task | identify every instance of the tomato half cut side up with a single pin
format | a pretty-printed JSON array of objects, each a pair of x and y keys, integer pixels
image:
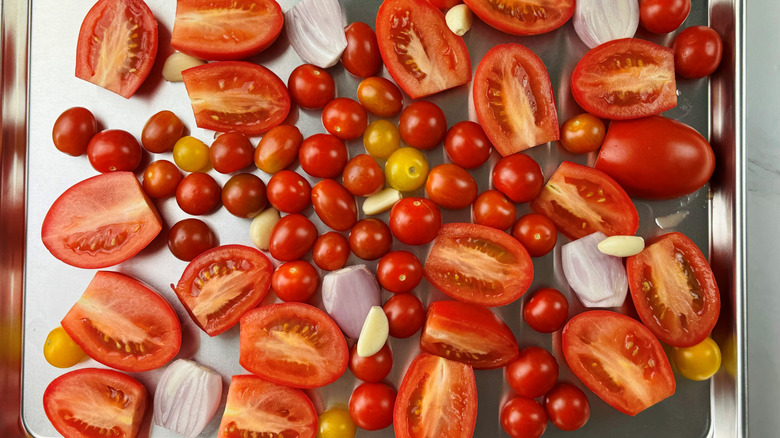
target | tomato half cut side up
[
  {"x": 674, "y": 290},
  {"x": 625, "y": 79},
  {"x": 117, "y": 45},
  {"x": 222, "y": 284},
  {"x": 581, "y": 200},
  {"x": 618, "y": 359},
  {"x": 478, "y": 264},
  {"x": 121, "y": 323},
  {"x": 523, "y": 17},
  {"x": 418, "y": 49},
  {"x": 514, "y": 99},
  {"x": 437, "y": 398},
  {"x": 92, "y": 402},
  {"x": 293, "y": 344}
]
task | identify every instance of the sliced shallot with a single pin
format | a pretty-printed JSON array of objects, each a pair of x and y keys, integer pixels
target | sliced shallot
[
  {"x": 598, "y": 279},
  {"x": 599, "y": 21},
  {"x": 348, "y": 294},
  {"x": 187, "y": 397},
  {"x": 316, "y": 31}
]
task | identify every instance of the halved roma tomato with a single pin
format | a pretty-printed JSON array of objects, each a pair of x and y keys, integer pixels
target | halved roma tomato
[
  {"x": 523, "y": 17},
  {"x": 418, "y": 49},
  {"x": 92, "y": 402},
  {"x": 223, "y": 283},
  {"x": 101, "y": 221},
  {"x": 117, "y": 45},
  {"x": 236, "y": 96},
  {"x": 120, "y": 322},
  {"x": 581, "y": 200},
  {"x": 619, "y": 359},
  {"x": 225, "y": 30},
  {"x": 293, "y": 344},
  {"x": 674, "y": 290},
  {"x": 625, "y": 79},
  {"x": 469, "y": 334},
  {"x": 479, "y": 264},
  {"x": 437, "y": 398},
  {"x": 255, "y": 407}
]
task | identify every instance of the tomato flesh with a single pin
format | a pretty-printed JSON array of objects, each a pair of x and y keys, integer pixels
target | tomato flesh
[{"x": 523, "y": 17}]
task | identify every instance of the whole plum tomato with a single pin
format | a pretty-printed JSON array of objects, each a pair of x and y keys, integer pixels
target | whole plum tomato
[
  {"x": 292, "y": 237},
  {"x": 518, "y": 177},
  {"x": 278, "y": 148},
  {"x": 198, "y": 193},
  {"x": 288, "y": 191},
  {"x": 415, "y": 221},
  {"x": 344, "y": 118},
  {"x": 537, "y": 234},
  {"x": 370, "y": 239},
  {"x": 323, "y": 156},
  {"x": 190, "y": 237},
  {"x": 467, "y": 145},
  {"x": 244, "y": 195},
  {"x": 372, "y": 368},
  {"x": 380, "y": 97},
  {"x": 546, "y": 311},
  {"x": 451, "y": 186},
  {"x": 311, "y": 87},
  {"x": 533, "y": 373},
  {"x": 331, "y": 251},
  {"x": 371, "y": 406},
  {"x": 567, "y": 407},
  {"x": 381, "y": 138},
  {"x": 362, "y": 176},
  {"x": 73, "y": 130},
  {"x": 114, "y": 150},
  {"x": 405, "y": 315},
  {"x": 697, "y": 52},
  {"x": 231, "y": 152},
  {"x": 399, "y": 271},
  {"x": 361, "y": 57},
  {"x": 161, "y": 132},
  {"x": 161, "y": 178},
  {"x": 334, "y": 205},
  {"x": 422, "y": 125},
  {"x": 493, "y": 209},
  {"x": 523, "y": 418},
  {"x": 295, "y": 281},
  {"x": 663, "y": 16}
]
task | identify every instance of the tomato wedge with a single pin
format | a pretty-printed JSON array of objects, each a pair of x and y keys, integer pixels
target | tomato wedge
[
  {"x": 259, "y": 408},
  {"x": 236, "y": 96},
  {"x": 92, "y": 402},
  {"x": 223, "y": 283},
  {"x": 293, "y": 344},
  {"x": 117, "y": 45},
  {"x": 225, "y": 30},
  {"x": 581, "y": 200},
  {"x": 514, "y": 99},
  {"x": 418, "y": 49},
  {"x": 437, "y": 398},
  {"x": 120, "y": 322},
  {"x": 625, "y": 79},
  {"x": 674, "y": 290},
  {"x": 523, "y": 17},
  {"x": 478, "y": 264},
  {"x": 619, "y": 359}
]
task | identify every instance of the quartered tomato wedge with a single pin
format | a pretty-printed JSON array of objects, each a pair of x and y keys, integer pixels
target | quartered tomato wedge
[
  {"x": 625, "y": 79},
  {"x": 121, "y": 323},
  {"x": 514, "y": 99},
  {"x": 418, "y": 49},
  {"x": 674, "y": 290},
  {"x": 222, "y": 284},
  {"x": 117, "y": 45},
  {"x": 92, "y": 402},
  {"x": 581, "y": 200},
  {"x": 619, "y": 359},
  {"x": 523, "y": 17}
]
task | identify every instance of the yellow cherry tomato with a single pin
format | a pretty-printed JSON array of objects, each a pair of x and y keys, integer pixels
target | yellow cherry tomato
[
  {"x": 406, "y": 169},
  {"x": 336, "y": 423},
  {"x": 381, "y": 138},
  {"x": 699, "y": 362},
  {"x": 60, "y": 350},
  {"x": 190, "y": 154},
  {"x": 582, "y": 133}
]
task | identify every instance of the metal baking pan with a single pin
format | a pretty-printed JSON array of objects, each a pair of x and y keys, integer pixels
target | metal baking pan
[{"x": 38, "y": 52}]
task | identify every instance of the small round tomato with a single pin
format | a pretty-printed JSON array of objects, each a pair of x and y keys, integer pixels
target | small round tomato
[
  {"x": 582, "y": 134},
  {"x": 406, "y": 169},
  {"x": 311, "y": 87},
  {"x": 73, "y": 130},
  {"x": 190, "y": 237},
  {"x": 697, "y": 52},
  {"x": 114, "y": 150},
  {"x": 371, "y": 406},
  {"x": 372, "y": 368},
  {"x": 493, "y": 209},
  {"x": 362, "y": 176},
  {"x": 451, "y": 186},
  {"x": 231, "y": 152},
  {"x": 699, "y": 362},
  {"x": 663, "y": 16},
  {"x": 405, "y": 315},
  {"x": 537, "y": 234},
  {"x": 467, "y": 145},
  {"x": 197, "y": 193},
  {"x": 334, "y": 205},
  {"x": 422, "y": 125},
  {"x": 523, "y": 418},
  {"x": 161, "y": 132},
  {"x": 380, "y": 97},
  {"x": 161, "y": 179},
  {"x": 331, "y": 251},
  {"x": 292, "y": 237},
  {"x": 370, "y": 239},
  {"x": 546, "y": 311},
  {"x": 278, "y": 148},
  {"x": 533, "y": 373},
  {"x": 361, "y": 57},
  {"x": 336, "y": 423},
  {"x": 288, "y": 192},
  {"x": 381, "y": 139},
  {"x": 399, "y": 271},
  {"x": 191, "y": 154},
  {"x": 323, "y": 156},
  {"x": 244, "y": 195},
  {"x": 61, "y": 352},
  {"x": 344, "y": 118},
  {"x": 295, "y": 281},
  {"x": 518, "y": 177},
  {"x": 415, "y": 221},
  {"x": 567, "y": 407}
]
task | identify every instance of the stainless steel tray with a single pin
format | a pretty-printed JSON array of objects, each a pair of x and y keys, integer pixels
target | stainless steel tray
[{"x": 38, "y": 52}]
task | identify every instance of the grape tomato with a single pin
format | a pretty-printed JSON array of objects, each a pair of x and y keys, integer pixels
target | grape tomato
[{"x": 73, "y": 130}]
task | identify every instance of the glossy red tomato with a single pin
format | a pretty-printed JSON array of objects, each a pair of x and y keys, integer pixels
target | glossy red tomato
[
  {"x": 493, "y": 209},
  {"x": 323, "y": 156},
  {"x": 422, "y": 125},
  {"x": 697, "y": 52},
  {"x": 295, "y": 281},
  {"x": 537, "y": 234},
  {"x": 231, "y": 152},
  {"x": 533, "y": 373},
  {"x": 519, "y": 177},
  {"x": 161, "y": 132},
  {"x": 663, "y": 16},
  {"x": 114, "y": 150},
  {"x": 361, "y": 57},
  {"x": 567, "y": 407},
  {"x": 546, "y": 311},
  {"x": 523, "y": 418},
  {"x": 370, "y": 239},
  {"x": 399, "y": 271},
  {"x": 311, "y": 87},
  {"x": 372, "y": 368},
  {"x": 380, "y": 96},
  {"x": 467, "y": 145},
  {"x": 415, "y": 221},
  {"x": 445, "y": 4},
  {"x": 519, "y": 17},
  {"x": 198, "y": 193},
  {"x": 362, "y": 176},
  {"x": 405, "y": 315},
  {"x": 244, "y": 195},
  {"x": 292, "y": 237},
  {"x": 73, "y": 130},
  {"x": 371, "y": 406},
  {"x": 331, "y": 251},
  {"x": 189, "y": 238},
  {"x": 161, "y": 178},
  {"x": 289, "y": 192},
  {"x": 334, "y": 205},
  {"x": 345, "y": 118},
  {"x": 278, "y": 148},
  {"x": 451, "y": 186}
]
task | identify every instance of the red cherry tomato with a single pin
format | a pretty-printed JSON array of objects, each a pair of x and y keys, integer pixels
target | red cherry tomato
[
  {"x": 73, "y": 130},
  {"x": 311, "y": 87},
  {"x": 523, "y": 418},
  {"x": 422, "y": 125},
  {"x": 189, "y": 238},
  {"x": 546, "y": 311},
  {"x": 278, "y": 148},
  {"x": 161, "y": 132},
  {"x": 415, "y": 221},
  {"x": 362, "y": 176},
  {"x": 372, "y": 368},
  {"x": 161, "y": 178},
  {"x": 405, "y": 315},
  {"x": 467, "y": 145},
  {"x": 537, "y": 234},
  {"x": 582, "y": 134},
  {"x": 292, "y": 237},
  {"x": 519, "y": 177},
  {"x": 451, "y": 186},
  {"x": 331, "y": 251},
  {"x": 114, "y": 150},
  {"x": 663, "y": 16},
  {"x": 295, "y": 281},
  {"x": 323, "y": 156},
  {"x": 244, "y": 195},
  {"x": 370, "y": 239},
  {"x": 399, "y": 271},
  {"x": 567, "y": 407},
  {"x": 334, "y": 205},
  {"x": 533, "y": 373},
  {"x": 380, "y": 97},
  {"x": 493, "y": 209},
  {"x": 289, "y": 192},
  {"x": 231, "y": 152},
  {"x": 197, "y": 193},
  {"x": 345, "y": 118},
  {"x": 371, "y": 406},
  {"x": 697, "y": 52},
  {"x": 361, "y": 57}
]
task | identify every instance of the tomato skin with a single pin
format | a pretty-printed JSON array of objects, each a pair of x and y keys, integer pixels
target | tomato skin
[
  {"x": 73, "y": 130},
  {"x": 567, "y": 407},
  {"x": 311, "y": 87},
  {"x": 422, "y": 125},
  {"x": 161, "y": 132},
  {"x": 330, "y": 251},
  {"x": 537, "y": 234},
  {"x": 334, "y": 205},
  {"x": 371, "y": 406},
  {"x": 697, "y": 52},
  {"x": 289, "y": 192},
  {"x": 244, "y": 195},
  {"x": 231, "y": 152},
  {"x": 372, "y": 368},
  {"x": 445, "y": 4},
  {"x": 493, "y": 209},
  {"x": 415, "y": 221},
  {"x": 405, "y": 314},
  {"x": 582, "y": 134},
  {"x": 361, "y": 57},
  {"x": 663, "y": 16},
  {"x": 546, "y": 311},
  {"x": 513, "y": 18},
  {"x": 295, "y": 281},
  {"x": 336, "y": 423},
  {"x": 370, "y": 239},
  {"x": 278, "y": 148},
  {"x": 161, "y": 178},
  {"x": 533, "y": 373},
  {"x": 189, "y": 238},
  {"x": 114, "y": 150},
  {"x": 191, "y": 154},
  {"x": 467, "y": 145},
  {"x": 381, "y": 138},
  {"x": 399, "y": 271},
  {"x": 362, "y": 176},
  {"x": 323, "y": 156},
  {"x": 518, "y": 177},
  {"x": 292, "y": 237},
  {"x": 451, "y": 186},
  {"x": 344, "y": 118},
  {"x": 380, "y": 96},
  {"x": 198, "y": 193},
  {"x": 60, "y": 350},
  {"x": 523, "y": 418},
  {"x": 406, "y": 169},
  {"x": 698, "y": 362}
]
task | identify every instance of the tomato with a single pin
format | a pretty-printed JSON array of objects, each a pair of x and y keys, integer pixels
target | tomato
[
  {"x": 213, "y": 88},
  {"x": 399, "y": 271},
  {"x": 311, "y": 87},
  {"x": 582, "y": 134},
  {"x": 191, "y": 154},
  {"x": 451, "y": 186},
  {"x": 493, "y": 209},
  {"x": 278, "y": 148},
  {"x": 618, "y": 359},
  {"x": 334, "y": 205},
  {"x": 421, "y": 54},
  {"x": 514, "y": 99},
  {"x": 518, "y": 177},
  {"x": 331, "y": 251},
  {"x": 255, "y": 407},
  {"x": 293, "y": 344},
  {"x": 380, "y": 97},
  {"x": 581, "y": 200},
  {"x": 537, "y": 234},
  {"x": 422, "y": 125},
  {"x": 244, "y": 195},
  {"x": 121, "y": 323},
  {"x": 406, "y": 169},
  {"x": 372, "y": 368},
  {"x": 663, "y": 16},
  {"x": 189, "y": 238},
  {"x": 323, "y": 156},
  {"x": 100, "y": 222},
  {"x": 361, "y": 57},
  {"x": 467, "y": 145},
  {"x": 415, "y": 221},
  {"x": 161, "y": 132},
  {"x": 523, "y": 418},
  {"x": 370, "y": 239},
  {"x": 567, "y": 407},
  {"x": 438, "y": 397},
  {"x": 362, "y": 176},
  {"x": 289, "y": 192},
  {"x": 198, "y": 193},
  {"x": 295, "y": 281},
  {"x": 292, "y": 237},
  {"x": 118, "y": 64},
  {"x": 161, "y": 178},
  {"x": 546, "y": 311},
  {"x": 697, "y": 52},
  {"x": 625, "y": 79},
  {"x": 405, "y": 315},
  {"x": 371, "y": 406},
  {"x": 533, "y": 373},
  {"x": 381, "y": 139},
  {"x": 92, "y": 402},
  {"x": 445, "y": 4},
  {"x": 523, "y": 17},
  {"x": 114, "y": 150},
  {"x": 697, "y": 362},
  {"x": 231, "y": 152},
  {"x": 479, "y": 265},
  {"x": 336, "y": 423},
  {"x": 73, "y": 130},
  {"x": 60, "y": 350},
  {"x": 344, "y": 118}
]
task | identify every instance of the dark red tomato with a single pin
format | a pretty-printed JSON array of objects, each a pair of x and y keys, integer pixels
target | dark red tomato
[
  {"x": 451, "y": 186},
  {"x": 101, "y": 221},
  {"x": 73, "y": 130},
  {"x": 371, "y": 406},
  {"x": 521, "y": 17},
  {"x": 438, "y": 397},
  {"x": 523, "y": 418},
  {"x": 380, "y": 97},
  {"x": 278, "y": 148},
  {"x": 493, "y": 209},
  {"x": 344, "y": 118},
  {"x": 231, "y": 152},
  {"x": 293, "y": 344},
  {"x": 99, "y": 322},
  {"x": 625, "y": 79},
  {"x": 213, "y": 88},
  {"x": 161, "y": 178},
  {"x": 331, "y": 251},
  {"x": 405, "y": 315},
  {"x": 422, "y": 55},
  {"x": 292, "y": 237},
  {"x": 479, "y": 265},
  {"x": 415, "y": 221},
  {"x": 361, "y": 57},
  {"x": 334, "y": 205},
  {"x": 581, "y": 200},
  {"x": 323, "y": 156},
  {"x": 546, "y": 311},
  {"x": 289, "y": 192},
  {"x": 362, "y": 176},
  {"x": 674, "y": 290},
  {"x": 114, "y": 150},
  {"x": 537, "y": 234},
  {"x": 468, "y": 333},
  {"x": 445, "y": 4},
  {"x": 372, "y": 368},
  {"x": 161, "y": 132},
  {"x": 198, "y": 193},
  {"x": 656, "y": 157},
  {"x": 467, "y": 145},
  {"x": 618, "y": 359},
  {"x": 663, "y": 16},
  {"x": 399, "y": 271},
  {"x": 697, "y": 52},
  {"x": 519, "y": 177},
  {"x": 311, "y": 87},
  {"x": 244, "y": 195},
  {"x": 370, "y": 239},
  {"x": 422, "y": 125},
  {"x": 189, "y": 238},
  {"x": 117, "y": 64},
  {"x": 567, "y": 407},
  {"x": 223, "y": 283},
  {"x": 295, "y": 281},
  {"x": 533, "y": 373},
  {"x": 92, "y": 402}
]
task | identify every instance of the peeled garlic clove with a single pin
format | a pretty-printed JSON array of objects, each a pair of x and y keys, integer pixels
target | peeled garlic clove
[
  {"x": 178, "y": 62},
  {"x": 381, "y": 202},
  {"x": 459, "y": 19},
  {"x": 374, "y": 334},
  {"x": 622, "y": 246},
  {"x": 261, "y": 227}
]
